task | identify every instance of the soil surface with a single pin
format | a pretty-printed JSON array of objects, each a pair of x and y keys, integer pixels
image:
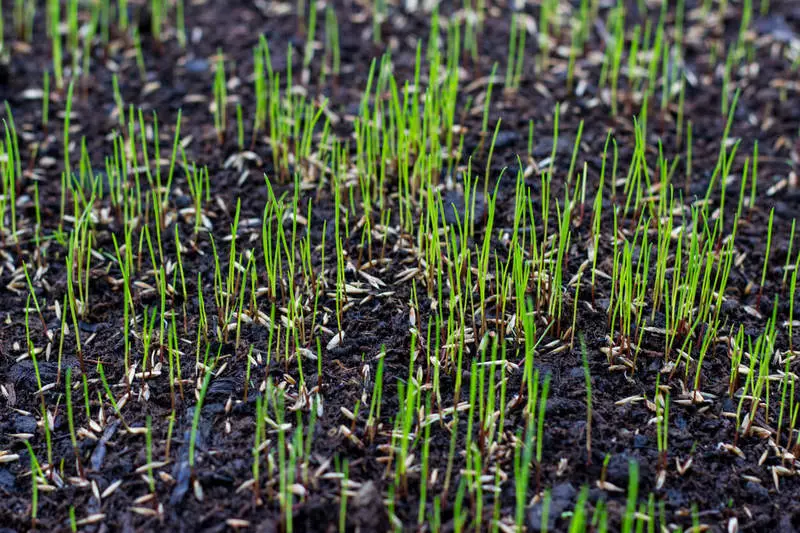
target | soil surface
[{"x": 714, "y": 476}]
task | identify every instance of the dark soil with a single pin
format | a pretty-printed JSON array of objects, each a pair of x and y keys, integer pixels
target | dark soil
[{"x": 718, "y": 485}]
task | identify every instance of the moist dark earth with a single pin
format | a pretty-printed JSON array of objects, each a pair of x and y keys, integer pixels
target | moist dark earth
[{"x": 717, "y": 486}]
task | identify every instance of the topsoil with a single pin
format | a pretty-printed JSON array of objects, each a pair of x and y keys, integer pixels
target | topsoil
[{"x": 718, "y": 485}]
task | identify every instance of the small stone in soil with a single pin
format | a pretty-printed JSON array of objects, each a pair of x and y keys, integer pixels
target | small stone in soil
[
  {"x": 182, "y": 475},
  {"x": 181, "y": 471},
  {"x": 8, "y": 482},
  {"x": 596, "y": 494},
  {"x": 617, "y": 469},
  {"x": 577, "y": 373},
  {"x": 728, "y": 405},
  {"x": 368, "y": 507},
  {"x": 215, "y": 478},
  {"x": 99, "y": 453},
  {"x": 183, "y": 201},
  {"x": 225, "y": 386},
  {"x": 676, "y": 498},
  {"x": 545, "y": 146},
  {"x": 776, "y": 27},
  {"x": 197, "y": 65},
  {"x": 506, "y": 138},
  {"x": 730, "y": 305},
  {"x": 560, "y": 500},
  {"x": 25, "y": 424},
  {"x": 89, "y": 328},
  {"x": 24, "y": 376},
  {"x": 758, "y": 492},
  {"x": 454, "y": 204}
]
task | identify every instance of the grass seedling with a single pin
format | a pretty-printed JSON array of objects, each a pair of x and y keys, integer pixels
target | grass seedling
[
  {"x": 588, "y": 380},
  {"x": 157, "y": 12},
  {"x": 332, "y": 50},
  {"x": 36, "y": 474},
  {"x": 575, "y": 43},
  {"x": 481, "y": 288},
  {"x": 308, "y": 53},
  {"x": 616, "y": 58},
  {"x": 633, "y": 495},
  {"x": 180, "y": 23},
  {"x": 540, "y": 428},
  {"x": 45, "y": 100},
  {"x": 486, "y": 103},
  {"x": 239, "y": 127},
  {"x": 375, "y": 402},
  {"x": 148, "y": 448},
  {"x": 196, "y": 416},
  {"x": 766, "y": 259},
  {"x": 792, "y": 289},
  {"x": 578, "y": 522},
  {"x": 35, "y": 300},
  {"x": 378, "y": 16},
  {"x": 137, "y": 46},
  {"x": 786, "y": 266},
  {"x": 661, "y": 402},
  {"x": 71, "y": 422},
  {"x": 67, "y": 166},
  {"x": 516, "y": 54},
  {"x": 523, "y": 455},
  {"x": 343, "y": 497},
  {"x": 54, "y": 12},
  {"x": 220, "y": 98}
]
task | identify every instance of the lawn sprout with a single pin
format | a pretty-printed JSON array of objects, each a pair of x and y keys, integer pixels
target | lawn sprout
[
  {"x": 220, "y": 98},
  {"x": 359, "y": 302},
  {"x": 333, "y": 58}
]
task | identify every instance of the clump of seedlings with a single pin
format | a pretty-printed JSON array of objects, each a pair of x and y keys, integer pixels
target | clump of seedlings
[{"x": 332, "y": 278}]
